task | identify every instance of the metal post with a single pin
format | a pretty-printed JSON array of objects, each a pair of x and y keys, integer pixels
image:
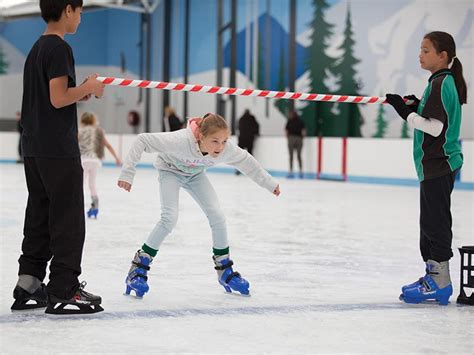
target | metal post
[
  {"x": 233, "y": 62},
  {"x": 186, "y": 57},
  {"x": 220, "y": 64},
  {"x": 141, "y": 45},
  {"x": 147, "y": 25},
  {"x": 268, "y": 59},
  {"x": 166, "y": 57},
  {"x": 292, "y": 51}
]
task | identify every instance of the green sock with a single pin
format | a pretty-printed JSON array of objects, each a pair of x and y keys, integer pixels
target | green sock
[
  {"x": 152, "y": 252},
  {"x": 220, "y": 251}
]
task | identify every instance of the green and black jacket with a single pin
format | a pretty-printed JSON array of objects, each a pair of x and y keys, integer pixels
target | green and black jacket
[{"x": 438, "y": 156}]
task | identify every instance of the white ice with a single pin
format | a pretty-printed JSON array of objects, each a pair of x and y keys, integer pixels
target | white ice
[{"x": 325, "y": 261}]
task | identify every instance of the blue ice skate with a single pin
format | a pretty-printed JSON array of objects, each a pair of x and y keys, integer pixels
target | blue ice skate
[
  {"x": 92, "y": 213},
  {"x": 427, "y": 291},
  {"x": 228, "y": 278},
  {"x": 137, "y": 275},
  {"x": 435, "y": 286}
]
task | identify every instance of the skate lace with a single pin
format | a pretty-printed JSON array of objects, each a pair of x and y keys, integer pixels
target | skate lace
[{"x": 81, "y": 292}]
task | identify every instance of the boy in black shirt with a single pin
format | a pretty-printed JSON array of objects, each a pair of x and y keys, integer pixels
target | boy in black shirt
[{"x": 54, "y": 226}]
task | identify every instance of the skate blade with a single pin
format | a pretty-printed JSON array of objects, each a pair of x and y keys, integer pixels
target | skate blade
[
  {"x": 133, "y": 296},
  {"x": 60, "y": 308},
  {"x": 37, "y": 309},
  {"x": 237, "y": 294},
  {"x": 24, "y": 305},
  {"x": 422, "y": 302}
]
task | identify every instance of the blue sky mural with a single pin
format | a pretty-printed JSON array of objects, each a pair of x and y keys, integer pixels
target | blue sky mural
[{"x": 117, "y": 32}]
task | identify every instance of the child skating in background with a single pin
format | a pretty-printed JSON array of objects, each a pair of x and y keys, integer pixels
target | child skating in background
[
  {"x": 92, "y": 142},
  {"x": 183, "y": 157},
  {"x": 438, "y": 157}
]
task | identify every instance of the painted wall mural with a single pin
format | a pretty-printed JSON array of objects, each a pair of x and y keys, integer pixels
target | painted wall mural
[{"x": 345, "y": 47}]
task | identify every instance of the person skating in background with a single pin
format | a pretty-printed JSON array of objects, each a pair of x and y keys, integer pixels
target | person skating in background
[
  {"x": 249, "y": 129},
  {"x": 437, "y": 154},
  {"x": 183, "y": 157},
  {"x": 172, "y": 121},
  {"x": 295, "y": 132},
  {"x": 92, "y": 141}
]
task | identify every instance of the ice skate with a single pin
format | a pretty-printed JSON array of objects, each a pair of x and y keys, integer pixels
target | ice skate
[
  {"x": 81, "y": 303},
  {"x": 94, "y": 210},
  {"x": 137, "y": 275},
  {"x": 228, "y": 278},
  {"x": 92, "y": 213},
  {"x": 435, "y": 287},
  {"x": 25, "y": 300}
]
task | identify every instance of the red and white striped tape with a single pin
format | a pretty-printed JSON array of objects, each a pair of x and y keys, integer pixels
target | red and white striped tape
[{"x": 242, "y": 92}]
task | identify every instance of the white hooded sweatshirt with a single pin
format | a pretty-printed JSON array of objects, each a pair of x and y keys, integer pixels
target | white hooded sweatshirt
[{"x": 179, "y": 152}]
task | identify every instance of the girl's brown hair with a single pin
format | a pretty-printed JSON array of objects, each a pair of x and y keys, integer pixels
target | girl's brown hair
[
  {"x": 211, "y": 123},
  {"x": 88, "y": 119},
  {"x": 443, "y": 41}
]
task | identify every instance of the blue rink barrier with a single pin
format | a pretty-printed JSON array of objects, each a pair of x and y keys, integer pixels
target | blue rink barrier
[{"x": 458, "y": 185}]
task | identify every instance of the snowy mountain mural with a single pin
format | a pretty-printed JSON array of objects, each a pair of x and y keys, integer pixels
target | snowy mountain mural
[{"x": 278, "y": 43}]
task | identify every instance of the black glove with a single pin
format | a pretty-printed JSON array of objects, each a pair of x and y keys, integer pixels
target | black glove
[
  {"x": 415, "y": 100},
  {"x": 399, "y": 105}
]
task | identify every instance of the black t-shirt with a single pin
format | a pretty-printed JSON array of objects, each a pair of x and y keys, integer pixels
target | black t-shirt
[
  {"x": 295, "y": 127},
  {"x": 48, "y": 132}
]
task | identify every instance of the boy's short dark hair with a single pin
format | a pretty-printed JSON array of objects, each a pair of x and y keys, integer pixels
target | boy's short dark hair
[{"x": 51, "y": 10}]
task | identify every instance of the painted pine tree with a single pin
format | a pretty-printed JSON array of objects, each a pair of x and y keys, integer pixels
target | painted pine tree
[
  {"x": 381, "y": 123},
  {"x": 3, "y": 62},
  {"x": 316, "y": 115},
  {"x": 347, "y": 123},
  {"x": 405, "y": 130}
]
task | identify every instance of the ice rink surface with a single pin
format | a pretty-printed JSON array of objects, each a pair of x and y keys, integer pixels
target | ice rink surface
[{"x": 325, "y": 262}]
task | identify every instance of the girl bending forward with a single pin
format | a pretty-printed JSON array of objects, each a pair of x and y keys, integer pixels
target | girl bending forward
[{"x": 183, "y": 157}]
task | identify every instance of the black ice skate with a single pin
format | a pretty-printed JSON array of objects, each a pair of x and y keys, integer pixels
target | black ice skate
[
  {"x": 25, "y": 300},
  {"x": 81, "y": 303}
]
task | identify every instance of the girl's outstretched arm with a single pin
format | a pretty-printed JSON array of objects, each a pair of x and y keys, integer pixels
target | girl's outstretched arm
[
  {"x": 150, "y": 143},
  {"x": 246, "y": 163},
  {"x": 276, "y": 192},
  {"x": 124, "y": 185}
]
